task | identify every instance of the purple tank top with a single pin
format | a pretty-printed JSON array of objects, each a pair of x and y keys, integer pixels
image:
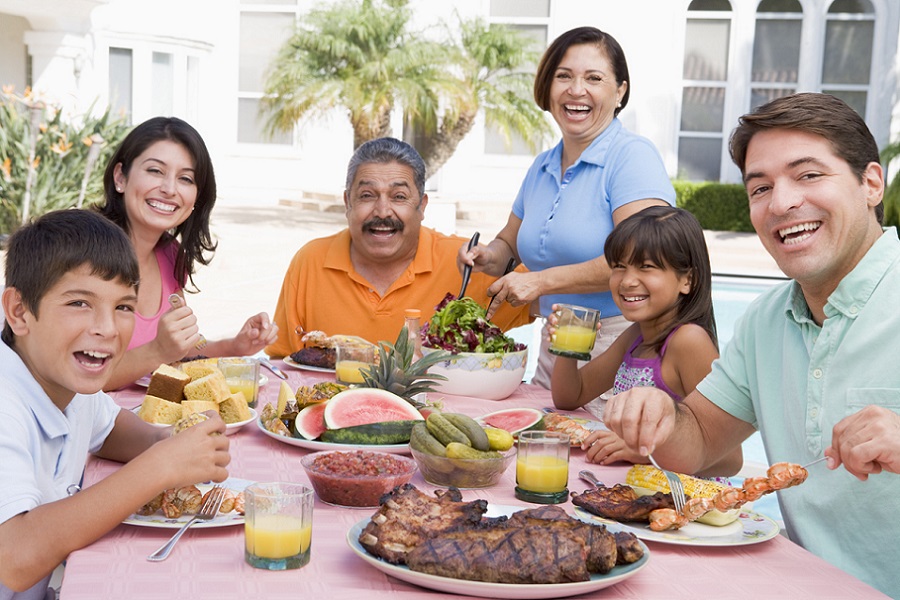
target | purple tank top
[{"x": 646, "y": 372}]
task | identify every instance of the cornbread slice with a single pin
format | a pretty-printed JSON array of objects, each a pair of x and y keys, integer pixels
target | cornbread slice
[
  {"x": 168, "y": 383},
  {"x": 234, "y": 408},
  {"x": 158, "y": 410},
  {"x": 200, "y": 368},
  {"x": 210, "y": 387},
  {"x": 190, "y": 407}
]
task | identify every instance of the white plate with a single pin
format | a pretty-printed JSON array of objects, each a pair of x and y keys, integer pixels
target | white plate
[
  {"x": 317, "y": 445},
  {"x": 517, "y": 591},
  {"x": 750, "y": 528},
  {"x": 294, "y": 364},
  {"x": 221, "y": 520},
  {"x": 230, "y": 428}
]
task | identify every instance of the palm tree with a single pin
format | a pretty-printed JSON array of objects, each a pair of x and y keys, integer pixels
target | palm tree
[
  {"x": 363, "y": 57},
  {"x": 490, "y": 62}
]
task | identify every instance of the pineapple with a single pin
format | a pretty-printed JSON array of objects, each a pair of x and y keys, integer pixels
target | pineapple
[{"x": 396, "y": 371}]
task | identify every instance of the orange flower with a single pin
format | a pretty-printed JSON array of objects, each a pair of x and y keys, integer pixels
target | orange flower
[{"x": 6, "y": 168}]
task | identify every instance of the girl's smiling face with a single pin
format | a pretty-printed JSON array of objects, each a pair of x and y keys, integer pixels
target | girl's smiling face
[
  {"x": 160, "y": 188},
  {"x": 648, "y": 293}
]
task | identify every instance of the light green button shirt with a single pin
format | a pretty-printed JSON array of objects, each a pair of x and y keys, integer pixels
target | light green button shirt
[{"x": 794, "y": 380}]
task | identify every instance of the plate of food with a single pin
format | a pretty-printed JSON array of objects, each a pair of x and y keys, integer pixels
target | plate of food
[
  {"x": 185, "y": 497},
  {"x": 317, "y": 445},
  {"x": 230, "y": 428},
  {"x": 749, "y": 528},
  {"x": 523, "y": 591},
  {"x": 295, "y": 365}
]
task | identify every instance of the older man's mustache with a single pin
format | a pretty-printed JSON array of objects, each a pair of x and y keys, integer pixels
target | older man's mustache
[{"x": 394, "y": 224}]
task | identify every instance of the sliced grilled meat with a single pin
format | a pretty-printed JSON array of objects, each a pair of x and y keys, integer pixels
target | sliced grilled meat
[
  {"x": 628, "y": 548},
  {"x": 621, "y": 502},
  {"x": 530, "y": 554},
  {"x": 600, "y": 542},
  {"x": 407, "y": 517}
]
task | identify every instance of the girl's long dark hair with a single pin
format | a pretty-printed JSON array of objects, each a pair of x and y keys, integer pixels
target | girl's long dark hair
[
  {"x": 196, "y": 244},
  {"x": 671, "y": 238}
]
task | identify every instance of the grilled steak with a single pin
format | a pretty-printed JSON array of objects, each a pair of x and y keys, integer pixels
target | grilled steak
[
  {"x": 408, "y": 517},
  {"x": 601, "y": 545},
  {"x": 621, "y": 502},
  {"x": 315, "y": 356},
  {"x": 628, "y": 548},
  {"x": 530, "y": 554}
]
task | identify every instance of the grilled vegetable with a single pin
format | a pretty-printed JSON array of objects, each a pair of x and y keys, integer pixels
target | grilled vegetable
[{"x": 651, "y": 478}]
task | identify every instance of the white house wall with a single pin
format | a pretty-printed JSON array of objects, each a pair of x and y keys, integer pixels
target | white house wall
[{"x": 650, "y": 31}]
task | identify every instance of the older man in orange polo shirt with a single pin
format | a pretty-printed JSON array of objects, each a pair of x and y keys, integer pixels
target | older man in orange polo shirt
[{"x": 360, "y": 280}]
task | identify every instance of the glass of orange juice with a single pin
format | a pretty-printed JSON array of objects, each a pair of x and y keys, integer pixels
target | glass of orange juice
[
  {"x": 241, "y": 375},
  {"x": 542, "y": 467},
  {"x": 278, "y": 525},
  {"x": 349, "y": 361},
  {"x": 576, "y": 331}
]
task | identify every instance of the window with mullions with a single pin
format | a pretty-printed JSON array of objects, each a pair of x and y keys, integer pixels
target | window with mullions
[
  {"x": 847, "y": 55},
  {"x": 705, "y": 75},
  {"x": 776, "y": 51}
]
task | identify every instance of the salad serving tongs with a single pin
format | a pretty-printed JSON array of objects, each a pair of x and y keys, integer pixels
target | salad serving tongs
[{"x": 467, "y": 270}]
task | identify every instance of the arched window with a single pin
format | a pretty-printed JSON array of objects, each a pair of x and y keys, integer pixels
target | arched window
[
  {"x": 847, "y": 55},
  {"x": 704, "y": 74},
  {"x": 776, "y": 50}
]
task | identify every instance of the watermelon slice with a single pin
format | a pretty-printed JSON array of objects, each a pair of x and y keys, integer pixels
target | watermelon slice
[
  {"x": 361, "y": 406},
  {"x": 513, "y": 420},
  {"x": 310, "y": 422}
]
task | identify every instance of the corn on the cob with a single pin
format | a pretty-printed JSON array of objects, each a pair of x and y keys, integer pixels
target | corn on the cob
[{"x": 651, "y": 478}]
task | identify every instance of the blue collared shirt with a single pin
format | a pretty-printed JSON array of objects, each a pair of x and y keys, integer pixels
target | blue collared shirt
[
  {"x": 794, "y": 380},
  {"x": 567, "y": 216}
]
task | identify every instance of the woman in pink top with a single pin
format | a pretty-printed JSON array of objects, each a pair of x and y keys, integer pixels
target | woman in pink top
[
  {"x": 661, "y": 281},
  {"x": 160, "y": 188}
]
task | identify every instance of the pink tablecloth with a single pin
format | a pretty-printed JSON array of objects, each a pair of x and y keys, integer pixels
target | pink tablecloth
[{"x": 210, "y": 564}]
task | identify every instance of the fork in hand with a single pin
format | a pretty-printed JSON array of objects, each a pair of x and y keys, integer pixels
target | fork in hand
[
  {"x": 207, "y": 512},
  {"x": 675, "y": 486}
]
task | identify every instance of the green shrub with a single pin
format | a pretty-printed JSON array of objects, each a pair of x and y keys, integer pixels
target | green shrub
[
  {"x": 62, "y": 146},
  {"x": 718, "y": 206},
  {"x": 892, "y": 189}
]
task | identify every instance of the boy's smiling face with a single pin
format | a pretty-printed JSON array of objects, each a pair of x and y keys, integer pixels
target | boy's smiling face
[{"x": 81, "y": 331}]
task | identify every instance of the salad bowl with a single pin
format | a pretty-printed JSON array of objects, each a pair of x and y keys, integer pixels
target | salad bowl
[{"x": 488, "y": 375}]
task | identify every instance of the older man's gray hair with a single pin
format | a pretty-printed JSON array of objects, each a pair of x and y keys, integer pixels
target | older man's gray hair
[{"x": 387, "y": 150}]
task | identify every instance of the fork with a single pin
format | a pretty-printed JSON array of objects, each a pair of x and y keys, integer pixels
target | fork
[
  {"x": 675, "y": 486},
  {"x": 207, "y": 512}
]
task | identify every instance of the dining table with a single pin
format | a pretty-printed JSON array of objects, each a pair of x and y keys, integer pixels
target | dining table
[{"x": 209, "y": 563}]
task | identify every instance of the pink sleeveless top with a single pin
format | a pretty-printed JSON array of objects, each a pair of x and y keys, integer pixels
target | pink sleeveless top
[
  {"x": 646, "y": 372},
  {"x": 145, "y": 326}
]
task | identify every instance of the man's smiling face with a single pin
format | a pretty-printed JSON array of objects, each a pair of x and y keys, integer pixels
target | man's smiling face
[
  {"x": 384, "y": 212},
  {"x": 811, "y": 212}
]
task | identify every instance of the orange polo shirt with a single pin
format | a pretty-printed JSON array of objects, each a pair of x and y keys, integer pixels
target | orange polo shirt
[{"x": 322, "y": 291}]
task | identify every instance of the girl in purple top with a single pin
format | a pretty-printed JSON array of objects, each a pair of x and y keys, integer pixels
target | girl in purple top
[{"x": 661, "y": 281}]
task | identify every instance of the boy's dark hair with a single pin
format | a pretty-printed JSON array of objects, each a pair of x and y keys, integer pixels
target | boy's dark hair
[
  {"x": 818, "y": 114},
  {"x": 42, "y": 252},
  {"x": 671, "y": 238},
  {"x": 557, "y": 49},
  {"x": 196, "y": 240}
]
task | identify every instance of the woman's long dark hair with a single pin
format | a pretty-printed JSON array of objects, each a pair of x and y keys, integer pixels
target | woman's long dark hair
[
  {"x": 196, "y": 244},
  {"x": 671, "y": 238}
]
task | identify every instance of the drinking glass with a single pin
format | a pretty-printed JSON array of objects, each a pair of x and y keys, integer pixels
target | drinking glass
[
  {"x": 278, "y": 525},
  {"x": 576, "y": 331},
  {"x": 542, "y": 467},
  {"x": 350, "y": 360},
  {"x": 242, "y": 375}
]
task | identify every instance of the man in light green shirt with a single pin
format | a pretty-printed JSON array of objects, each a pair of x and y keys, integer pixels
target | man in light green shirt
[{"x": 813, "y": 363}]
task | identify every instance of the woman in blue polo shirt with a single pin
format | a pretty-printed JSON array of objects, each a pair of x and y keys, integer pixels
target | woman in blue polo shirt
[{"x": 575, "y": 193}]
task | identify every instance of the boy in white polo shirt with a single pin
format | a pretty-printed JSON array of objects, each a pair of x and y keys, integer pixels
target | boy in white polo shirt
[{"x": 71, "y": 289}]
